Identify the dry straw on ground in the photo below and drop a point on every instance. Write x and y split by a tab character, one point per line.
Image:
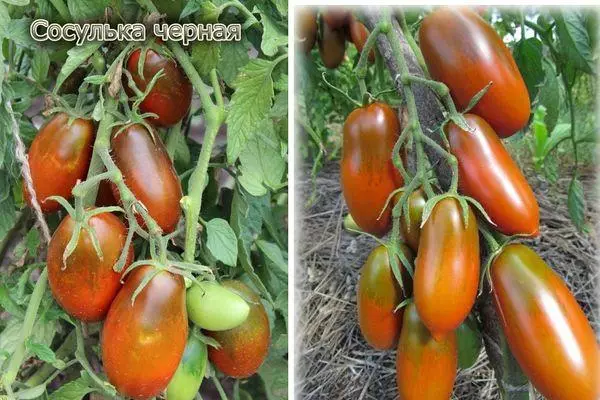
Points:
334	360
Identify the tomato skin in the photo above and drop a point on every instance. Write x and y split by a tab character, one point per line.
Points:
332	46
489	175
546	329
359	35
307	28
244	348
88	285
336	17
189	375
149	173
368	174
378	295
105	196
425	367
411	232
212	306
171	96
143	343
463	51
448	259
59	156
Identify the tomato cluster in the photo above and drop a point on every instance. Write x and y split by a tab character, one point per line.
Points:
337	26
545	328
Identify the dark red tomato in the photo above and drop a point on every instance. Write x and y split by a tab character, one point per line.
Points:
359	35
378	295
307	28
105	196
489	175
545	328
463	51
447	268
171	96
368	174
336	17
332	46
425	367
411	232
59	156
88	284
244	348
149	173
143	342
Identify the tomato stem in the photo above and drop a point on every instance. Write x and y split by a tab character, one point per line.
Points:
361	67
411	42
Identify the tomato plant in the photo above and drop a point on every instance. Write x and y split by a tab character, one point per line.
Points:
378	296
189	375
171	95
244	348
411	231
425	367
86	284
462	50
139	154
307	29
359	34
367	173
448	258
546	329
214	307
136	366
59	155
336	18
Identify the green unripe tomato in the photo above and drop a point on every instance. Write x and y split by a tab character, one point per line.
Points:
189	375
214	307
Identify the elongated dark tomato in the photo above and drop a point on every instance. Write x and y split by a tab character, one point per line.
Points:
378	295
149	174
545	328
59	155
367	172
359	35
332	46
86	287
171	95
425	367
447	268
307	28
463	51
336	17
411	232
143	342
244	348
489	175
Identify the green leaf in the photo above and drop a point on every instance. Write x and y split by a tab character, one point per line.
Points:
559	134
8	215
190	8
250	102
273	36
31	393
45	354
84	10
549	95
19	3
575	42
234	55
576	203
252	183
40	65
540	135
221	241
74	390
17	30
205	56
469	343
4	19
528	55
77	55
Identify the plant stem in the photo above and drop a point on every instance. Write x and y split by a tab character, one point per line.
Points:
174	135
361	67
411	42
18	356
62	9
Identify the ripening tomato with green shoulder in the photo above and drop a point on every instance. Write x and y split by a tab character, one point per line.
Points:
411	231
143	342
545	327
425	367
359	35
378	295
189	375
58	157
463	51
446	268
245	347
488	173
171	95
368	175
86	286
149	173
332	46
307	28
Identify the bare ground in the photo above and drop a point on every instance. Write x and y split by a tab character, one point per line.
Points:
334	362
